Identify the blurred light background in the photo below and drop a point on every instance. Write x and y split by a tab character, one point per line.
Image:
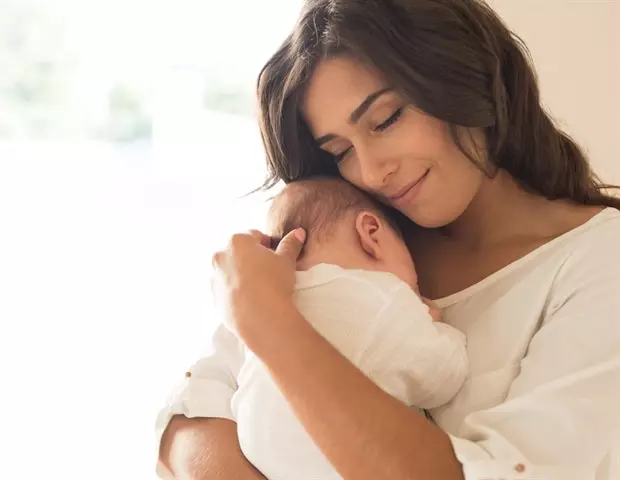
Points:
127	144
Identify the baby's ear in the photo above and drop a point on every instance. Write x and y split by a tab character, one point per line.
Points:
369	227
367	222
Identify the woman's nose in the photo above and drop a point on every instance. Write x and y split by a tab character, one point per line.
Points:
375	168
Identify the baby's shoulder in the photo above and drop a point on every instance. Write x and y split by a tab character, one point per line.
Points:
377	284
357	286
358	299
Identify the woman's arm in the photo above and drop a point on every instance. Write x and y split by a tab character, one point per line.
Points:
203	449
195	431
364	432
559	421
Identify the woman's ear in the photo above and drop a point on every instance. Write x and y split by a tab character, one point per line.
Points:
369	230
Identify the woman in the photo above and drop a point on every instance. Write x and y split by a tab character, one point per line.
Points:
433	107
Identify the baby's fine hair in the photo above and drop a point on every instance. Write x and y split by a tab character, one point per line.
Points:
317	204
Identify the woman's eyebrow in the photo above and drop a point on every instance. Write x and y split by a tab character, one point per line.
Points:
357	113
325	138
365	105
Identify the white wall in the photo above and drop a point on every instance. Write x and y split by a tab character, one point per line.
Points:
576	49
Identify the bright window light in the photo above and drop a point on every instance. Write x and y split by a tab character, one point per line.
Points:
127	143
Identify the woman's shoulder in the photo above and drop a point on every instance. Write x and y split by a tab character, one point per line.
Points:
585	257
598	237
590	268
589	251
595	238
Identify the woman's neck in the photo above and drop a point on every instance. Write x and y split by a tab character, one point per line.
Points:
503	211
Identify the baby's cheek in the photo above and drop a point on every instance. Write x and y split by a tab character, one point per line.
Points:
414	281
411	273
407	273
402	263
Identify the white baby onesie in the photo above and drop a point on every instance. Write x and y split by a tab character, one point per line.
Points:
380	324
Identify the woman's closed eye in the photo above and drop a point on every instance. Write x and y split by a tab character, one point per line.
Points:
341	155
390	121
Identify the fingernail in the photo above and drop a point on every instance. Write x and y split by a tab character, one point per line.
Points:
300	234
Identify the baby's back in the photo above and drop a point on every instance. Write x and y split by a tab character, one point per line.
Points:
375	320
342	305
345	306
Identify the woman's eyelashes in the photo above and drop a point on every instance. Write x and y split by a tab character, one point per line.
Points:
391	120
340	156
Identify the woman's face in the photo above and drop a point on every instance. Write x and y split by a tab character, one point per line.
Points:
387	147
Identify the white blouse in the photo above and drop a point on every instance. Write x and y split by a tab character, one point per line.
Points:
542	399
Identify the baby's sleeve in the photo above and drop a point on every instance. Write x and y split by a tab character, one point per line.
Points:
421	362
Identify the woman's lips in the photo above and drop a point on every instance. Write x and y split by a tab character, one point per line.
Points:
410	192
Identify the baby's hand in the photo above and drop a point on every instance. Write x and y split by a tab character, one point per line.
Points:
432	309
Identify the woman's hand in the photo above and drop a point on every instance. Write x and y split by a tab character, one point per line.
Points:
255	283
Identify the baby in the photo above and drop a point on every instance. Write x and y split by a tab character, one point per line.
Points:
357	286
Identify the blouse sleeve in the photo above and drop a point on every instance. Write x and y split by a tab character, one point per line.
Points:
208	387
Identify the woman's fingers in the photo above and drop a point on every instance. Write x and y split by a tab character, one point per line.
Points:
216	259
264	240
289	247
251	281
292	244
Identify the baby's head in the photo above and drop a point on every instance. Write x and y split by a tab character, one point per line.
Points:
344	226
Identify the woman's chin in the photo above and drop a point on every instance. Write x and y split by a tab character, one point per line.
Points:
429	217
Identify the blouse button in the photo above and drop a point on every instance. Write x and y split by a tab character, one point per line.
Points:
188	374
520	468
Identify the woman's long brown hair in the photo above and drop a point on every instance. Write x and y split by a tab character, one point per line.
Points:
455	60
